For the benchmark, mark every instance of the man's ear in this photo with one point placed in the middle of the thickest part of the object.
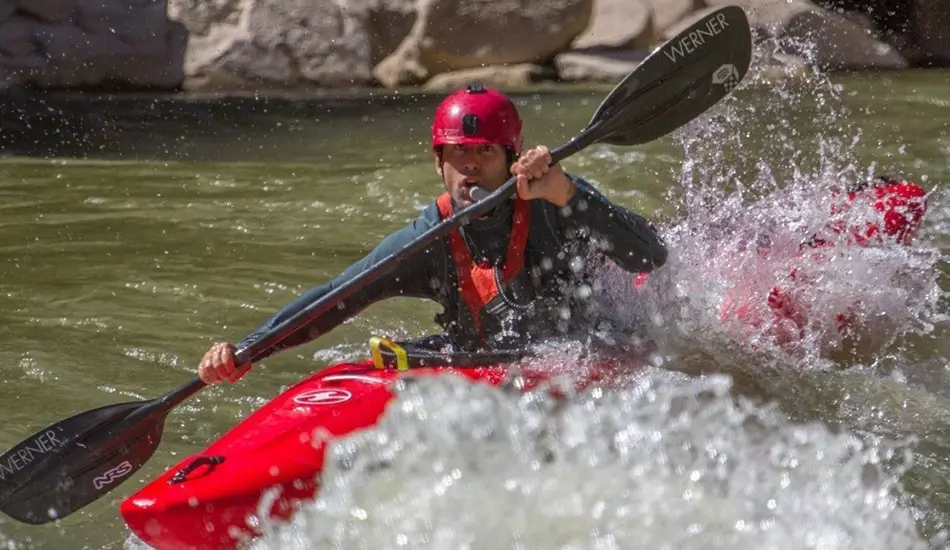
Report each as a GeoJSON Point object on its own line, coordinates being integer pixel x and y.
{"type": "Point", "coordinates": [438, 163]}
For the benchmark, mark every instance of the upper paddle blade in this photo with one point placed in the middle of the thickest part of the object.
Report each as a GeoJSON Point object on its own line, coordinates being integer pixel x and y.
{"type": "Point", "coordinates": [66, 466]}
{"type": "Point", "coordinates": [678, 82]}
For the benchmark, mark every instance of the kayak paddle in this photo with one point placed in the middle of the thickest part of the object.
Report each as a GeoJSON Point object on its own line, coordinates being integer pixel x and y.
{"type": "Point", "coordinates": [70, 464]}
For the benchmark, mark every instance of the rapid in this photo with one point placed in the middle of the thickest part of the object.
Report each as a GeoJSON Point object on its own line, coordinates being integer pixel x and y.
{"type": "Point", "coordinates": [831, 441]}
{"type": "Point", "coordinates": [130, 249]}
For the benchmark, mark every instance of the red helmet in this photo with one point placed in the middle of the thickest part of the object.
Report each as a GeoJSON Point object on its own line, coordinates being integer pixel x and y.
{"type": "Point", "coordinates": [477, 116]}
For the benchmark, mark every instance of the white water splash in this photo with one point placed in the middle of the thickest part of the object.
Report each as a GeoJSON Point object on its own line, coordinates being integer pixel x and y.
{"type": "Point", "coordinates": [751, 192]}
{"type": "Point", "coordinates": [664, 464]}
{"type": "Point", "coordinates": [731, 266]}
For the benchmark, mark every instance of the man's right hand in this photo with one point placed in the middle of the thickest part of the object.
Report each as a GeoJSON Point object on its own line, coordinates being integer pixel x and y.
{"type": "Point", "coordinates": [218, 365]}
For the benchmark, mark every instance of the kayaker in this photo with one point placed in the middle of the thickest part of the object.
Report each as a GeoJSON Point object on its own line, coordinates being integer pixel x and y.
{"type": "Point", "coordinates": [526, 271]}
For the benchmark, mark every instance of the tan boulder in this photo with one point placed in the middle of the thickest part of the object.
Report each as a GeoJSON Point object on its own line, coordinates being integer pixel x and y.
{"type": "Point", "coordinates": [618, 24]}
{"type": "Point", "coordinates": [598, 66]}
{"type": "Point", "coordinates": [263, 43]}
{"type": "Point", "coordinates": [198, 16]}
{"type": "Point", "coordinates": [837, 43]}
{"type": "Point", "coordinates": [390, 22]}
{"type": "Point", "coordinates": [823, 39]}
{"type": "Point", "coordinates": [669, 12]}
{"type": "Point", "coordinates": [450, 35]}
{"type": "Point", "coordinates": [511, 76]}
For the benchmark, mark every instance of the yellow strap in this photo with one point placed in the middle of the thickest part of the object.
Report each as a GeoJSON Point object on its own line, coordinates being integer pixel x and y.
{"type": "Point", "coordinates": [402, 361]}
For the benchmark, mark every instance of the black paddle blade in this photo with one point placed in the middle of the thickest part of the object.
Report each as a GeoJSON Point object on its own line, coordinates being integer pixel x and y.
{"type": "Point", "coordinates": [67, 465]}
{"type": "Point", "coordinates": [678, 82]}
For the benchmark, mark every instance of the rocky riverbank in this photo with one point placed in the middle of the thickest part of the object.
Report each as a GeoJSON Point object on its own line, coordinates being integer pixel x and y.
{"type": "Point", "coordinates": [236, 45]}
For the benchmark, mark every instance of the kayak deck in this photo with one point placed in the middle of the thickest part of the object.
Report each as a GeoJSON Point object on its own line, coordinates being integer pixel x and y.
{"type": "Point", "coordinates": [211, 500]}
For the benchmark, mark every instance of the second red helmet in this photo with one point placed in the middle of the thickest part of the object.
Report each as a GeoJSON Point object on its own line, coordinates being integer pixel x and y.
{"type": "Point", "coordinates": [477, 116]}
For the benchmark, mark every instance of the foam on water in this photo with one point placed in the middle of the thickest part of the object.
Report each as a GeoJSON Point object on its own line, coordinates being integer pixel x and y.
{"type": "Point", "coordinates": [667, 463]}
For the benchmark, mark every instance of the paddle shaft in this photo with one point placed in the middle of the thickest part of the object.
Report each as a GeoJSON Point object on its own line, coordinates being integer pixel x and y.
{"type": "Point", "coordinates": [273, 337]}
{"type": "Point", "coordinates": [288, 327]}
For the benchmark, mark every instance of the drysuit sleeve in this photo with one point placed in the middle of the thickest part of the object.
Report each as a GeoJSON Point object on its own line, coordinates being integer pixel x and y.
{"type": "Point", "coordinates": [412, 277]}
{"type": "Point", "coordinates": [627, 238]}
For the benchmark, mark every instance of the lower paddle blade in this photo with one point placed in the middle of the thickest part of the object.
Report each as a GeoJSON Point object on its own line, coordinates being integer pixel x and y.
{"type": "Point", "coordinates": [66, 466]}
{"type": "Point", "coordinates": [679, 81]}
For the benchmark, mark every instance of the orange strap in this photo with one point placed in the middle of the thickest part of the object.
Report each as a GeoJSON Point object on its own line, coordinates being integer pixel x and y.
{"type": "Point", "coordinates": [477, 283]}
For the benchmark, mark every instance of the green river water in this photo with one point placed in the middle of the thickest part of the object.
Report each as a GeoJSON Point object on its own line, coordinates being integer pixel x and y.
{"type": "Point", "coordinates": [136, 231]}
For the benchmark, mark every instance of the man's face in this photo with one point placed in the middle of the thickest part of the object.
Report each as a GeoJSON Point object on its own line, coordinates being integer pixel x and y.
{"type": "Point", "coordinates": [467, 166]}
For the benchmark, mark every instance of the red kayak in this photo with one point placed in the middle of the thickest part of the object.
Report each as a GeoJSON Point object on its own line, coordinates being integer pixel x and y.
{"type": "Point", "coordinates": [208, 500]}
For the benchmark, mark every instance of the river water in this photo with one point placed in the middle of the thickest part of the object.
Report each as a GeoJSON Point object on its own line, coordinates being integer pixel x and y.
{"type": "Point", "coordinates": [137, 231]}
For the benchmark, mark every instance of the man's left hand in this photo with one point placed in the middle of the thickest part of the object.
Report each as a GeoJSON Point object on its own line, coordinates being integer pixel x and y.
{"type": "Point", "coordinates": [538, 179]}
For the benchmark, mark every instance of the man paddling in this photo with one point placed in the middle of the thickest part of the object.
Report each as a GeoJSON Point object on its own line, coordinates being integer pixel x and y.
{"type": "Point", "coordinates": [98, 449]}
{"type": "Point", "coordinates": [523, 273]}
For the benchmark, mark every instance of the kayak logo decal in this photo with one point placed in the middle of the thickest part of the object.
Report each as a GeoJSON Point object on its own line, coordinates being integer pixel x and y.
{"type": "Point", "coordinates": [329, 396]}
{"type": "Point", "coordinates": [728, 76]}
{"type": "Point", "coordinates": [113, 475]}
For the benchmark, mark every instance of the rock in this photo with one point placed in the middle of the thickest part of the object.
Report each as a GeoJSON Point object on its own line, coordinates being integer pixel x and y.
{"type": "Point", "coordinates": [450, 35]}
{"type": "Point", "coordinates": [618, 24]}
{"type": "Point", "coordinates": [330, 48]}
{"type": "Point", "coordinates": [403, 66]}
{"type": "Point", "coordinates": [76, 58]}
{"type": "Point", "coordinates": [668, 12]}
{"type": "Point", "coordinates": [120, 17]}
{"type": "Point", "coordinates": [23, 66]}
{"type": "Point", "coordinates": [766, 17]}
{"type": "Point", "coordinates": [781, 67]}
{"type": "Point", "coordinates": [254, 43]}
{"type": "Point", "coordinates": [16, 36]}
{"type": "Point", "coordinates": [6, 10]}
{"type": "Point", "coordinates": [932, 26]}
{"type": "Point", "coordinates": [836, 43]}
{"type": "Point", "coordinates": [390, 22]}
{"type": "Point", "coordinates": [50, 11]}
{"type": "Point", "coordinates": [199, 16]}
{"type": "Point", "coordinates": [824, 39]}
{"type": "Point", "coordinates": [511, 76]}
{"type": "Point", "coordinates": [598, 66]}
